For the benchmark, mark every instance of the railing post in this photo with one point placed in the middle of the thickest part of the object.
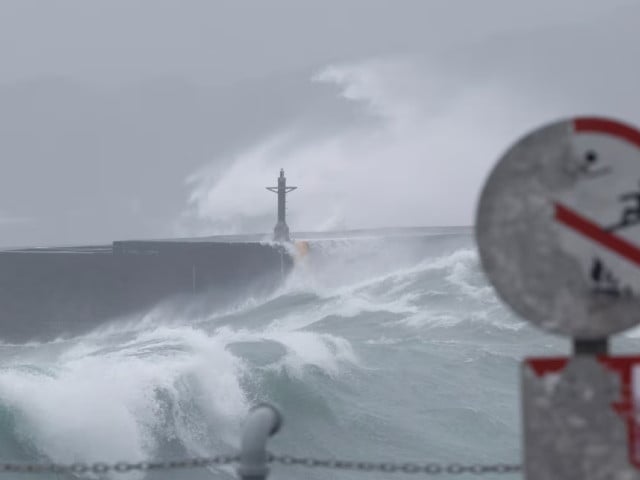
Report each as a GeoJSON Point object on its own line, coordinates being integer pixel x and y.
{"type": "Point", "coordinates": [264, 421]}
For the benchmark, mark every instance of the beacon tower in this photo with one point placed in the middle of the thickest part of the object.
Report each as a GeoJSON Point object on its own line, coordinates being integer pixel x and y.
{"type": "Point", "coordinates": [281, 230]}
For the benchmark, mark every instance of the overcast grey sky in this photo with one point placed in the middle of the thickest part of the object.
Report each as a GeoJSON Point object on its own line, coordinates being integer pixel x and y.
{"type": "Point", "coordinates": [155, 118]}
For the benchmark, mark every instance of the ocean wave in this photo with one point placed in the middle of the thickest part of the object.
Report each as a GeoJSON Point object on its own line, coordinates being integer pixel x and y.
{"type": "Point", "coordinates": [494, 318]}
{"type": "Point", "coordinates": [314, 292]}
{"type": "Point", "coordinates": [104, 403]}
{"type": "Point", "coordinates": [343, 346]}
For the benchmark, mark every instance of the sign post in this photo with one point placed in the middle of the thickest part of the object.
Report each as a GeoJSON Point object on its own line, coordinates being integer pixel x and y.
{"type": "Point", "coordinates": [558, 231]}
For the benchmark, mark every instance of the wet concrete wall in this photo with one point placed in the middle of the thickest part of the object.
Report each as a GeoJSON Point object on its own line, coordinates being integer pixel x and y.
{"type": "Point", "coordinates": [53, 292]}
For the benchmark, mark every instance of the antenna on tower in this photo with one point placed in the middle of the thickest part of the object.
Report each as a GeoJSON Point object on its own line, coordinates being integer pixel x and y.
{"type": "Point", "coordinates": [281, 230]}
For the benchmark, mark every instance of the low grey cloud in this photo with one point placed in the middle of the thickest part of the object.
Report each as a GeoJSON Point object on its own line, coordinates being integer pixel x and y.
{"type": "Point", "coordinates": [151, 119]}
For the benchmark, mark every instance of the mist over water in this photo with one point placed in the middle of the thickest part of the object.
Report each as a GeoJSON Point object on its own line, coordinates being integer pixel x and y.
{"type": "Point", "coordinates": [374, 349]}
{"type": "Point", "coordinates": [417, 152]}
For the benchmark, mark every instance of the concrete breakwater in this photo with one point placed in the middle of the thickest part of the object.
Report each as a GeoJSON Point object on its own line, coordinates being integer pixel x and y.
{"type": "Point", "coordinates": [52, 292]}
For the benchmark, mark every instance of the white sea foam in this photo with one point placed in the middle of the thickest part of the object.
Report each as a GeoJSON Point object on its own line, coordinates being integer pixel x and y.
{"type": "Point", "coordinates": [101, 403]}
{"type": "Point", "coordinates": [124, 393]}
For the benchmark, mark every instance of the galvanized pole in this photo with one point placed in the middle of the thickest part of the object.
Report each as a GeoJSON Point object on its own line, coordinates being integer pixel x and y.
{"type": "Point", "coordinates": [264, 421]}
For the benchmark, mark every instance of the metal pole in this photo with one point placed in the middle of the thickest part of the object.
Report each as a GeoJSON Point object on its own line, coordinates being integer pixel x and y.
{"type": "Point", "coordinates": [264, 421]}
{"type": "Point", "coordinates": [591, 346]}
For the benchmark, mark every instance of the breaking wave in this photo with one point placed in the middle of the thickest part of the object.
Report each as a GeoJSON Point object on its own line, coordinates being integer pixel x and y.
{"type": "Point", "coordinates": [373, 348]}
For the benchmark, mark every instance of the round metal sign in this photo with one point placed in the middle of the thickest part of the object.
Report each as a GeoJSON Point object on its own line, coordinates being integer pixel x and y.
{"type": "Point", "coordinates": [558, 227]}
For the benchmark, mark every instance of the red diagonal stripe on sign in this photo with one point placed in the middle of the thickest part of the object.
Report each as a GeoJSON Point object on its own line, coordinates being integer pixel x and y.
{"type": "Point", "coordinates": [594, 232]}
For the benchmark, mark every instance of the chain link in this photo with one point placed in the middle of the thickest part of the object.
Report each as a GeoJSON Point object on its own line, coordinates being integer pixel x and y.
{"type": "Point", "coordinates": [288, 460]}
{"type": "Point", "coordinates": [119, 467]}
{"type": "Point", "coordinates": [391, 467]}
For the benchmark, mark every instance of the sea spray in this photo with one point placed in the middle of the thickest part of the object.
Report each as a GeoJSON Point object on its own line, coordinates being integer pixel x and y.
{"type": "Point", "coordinates": [373, 350]}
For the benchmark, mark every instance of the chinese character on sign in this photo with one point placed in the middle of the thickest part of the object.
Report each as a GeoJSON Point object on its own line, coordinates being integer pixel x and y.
{"type": "Point", "coordinates": [630, 213]}
{"type": "Point", "coordinates": [605, 283]}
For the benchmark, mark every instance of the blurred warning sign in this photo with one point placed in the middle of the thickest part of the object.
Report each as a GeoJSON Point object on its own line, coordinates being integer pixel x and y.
{"type": "Point", "coordinates": [581, 417]}
{"type": "Point", "coordinates": [601, 212]}
{"type": "Point", "coordinates": [558, 227]}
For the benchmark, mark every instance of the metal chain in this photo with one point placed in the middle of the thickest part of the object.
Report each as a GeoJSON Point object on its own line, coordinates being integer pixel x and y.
{"type": "Point", "coordinates": [119, 467]}
{"type": "Point", "coordinates": [386, 467]}
{"type": "Point", "coordinates": [390, 467]}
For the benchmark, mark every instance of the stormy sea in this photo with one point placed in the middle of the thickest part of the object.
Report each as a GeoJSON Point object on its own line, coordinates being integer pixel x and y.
{"type": "Point", "coordinates": [374, 349]}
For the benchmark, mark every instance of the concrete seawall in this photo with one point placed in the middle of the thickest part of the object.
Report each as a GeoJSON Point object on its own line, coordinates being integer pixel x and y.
{"type": "Point", "coordinates": [47, 293]}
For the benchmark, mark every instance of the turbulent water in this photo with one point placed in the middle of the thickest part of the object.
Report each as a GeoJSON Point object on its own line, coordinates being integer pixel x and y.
{"type": "Point", "coordinates": [373, 349]}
